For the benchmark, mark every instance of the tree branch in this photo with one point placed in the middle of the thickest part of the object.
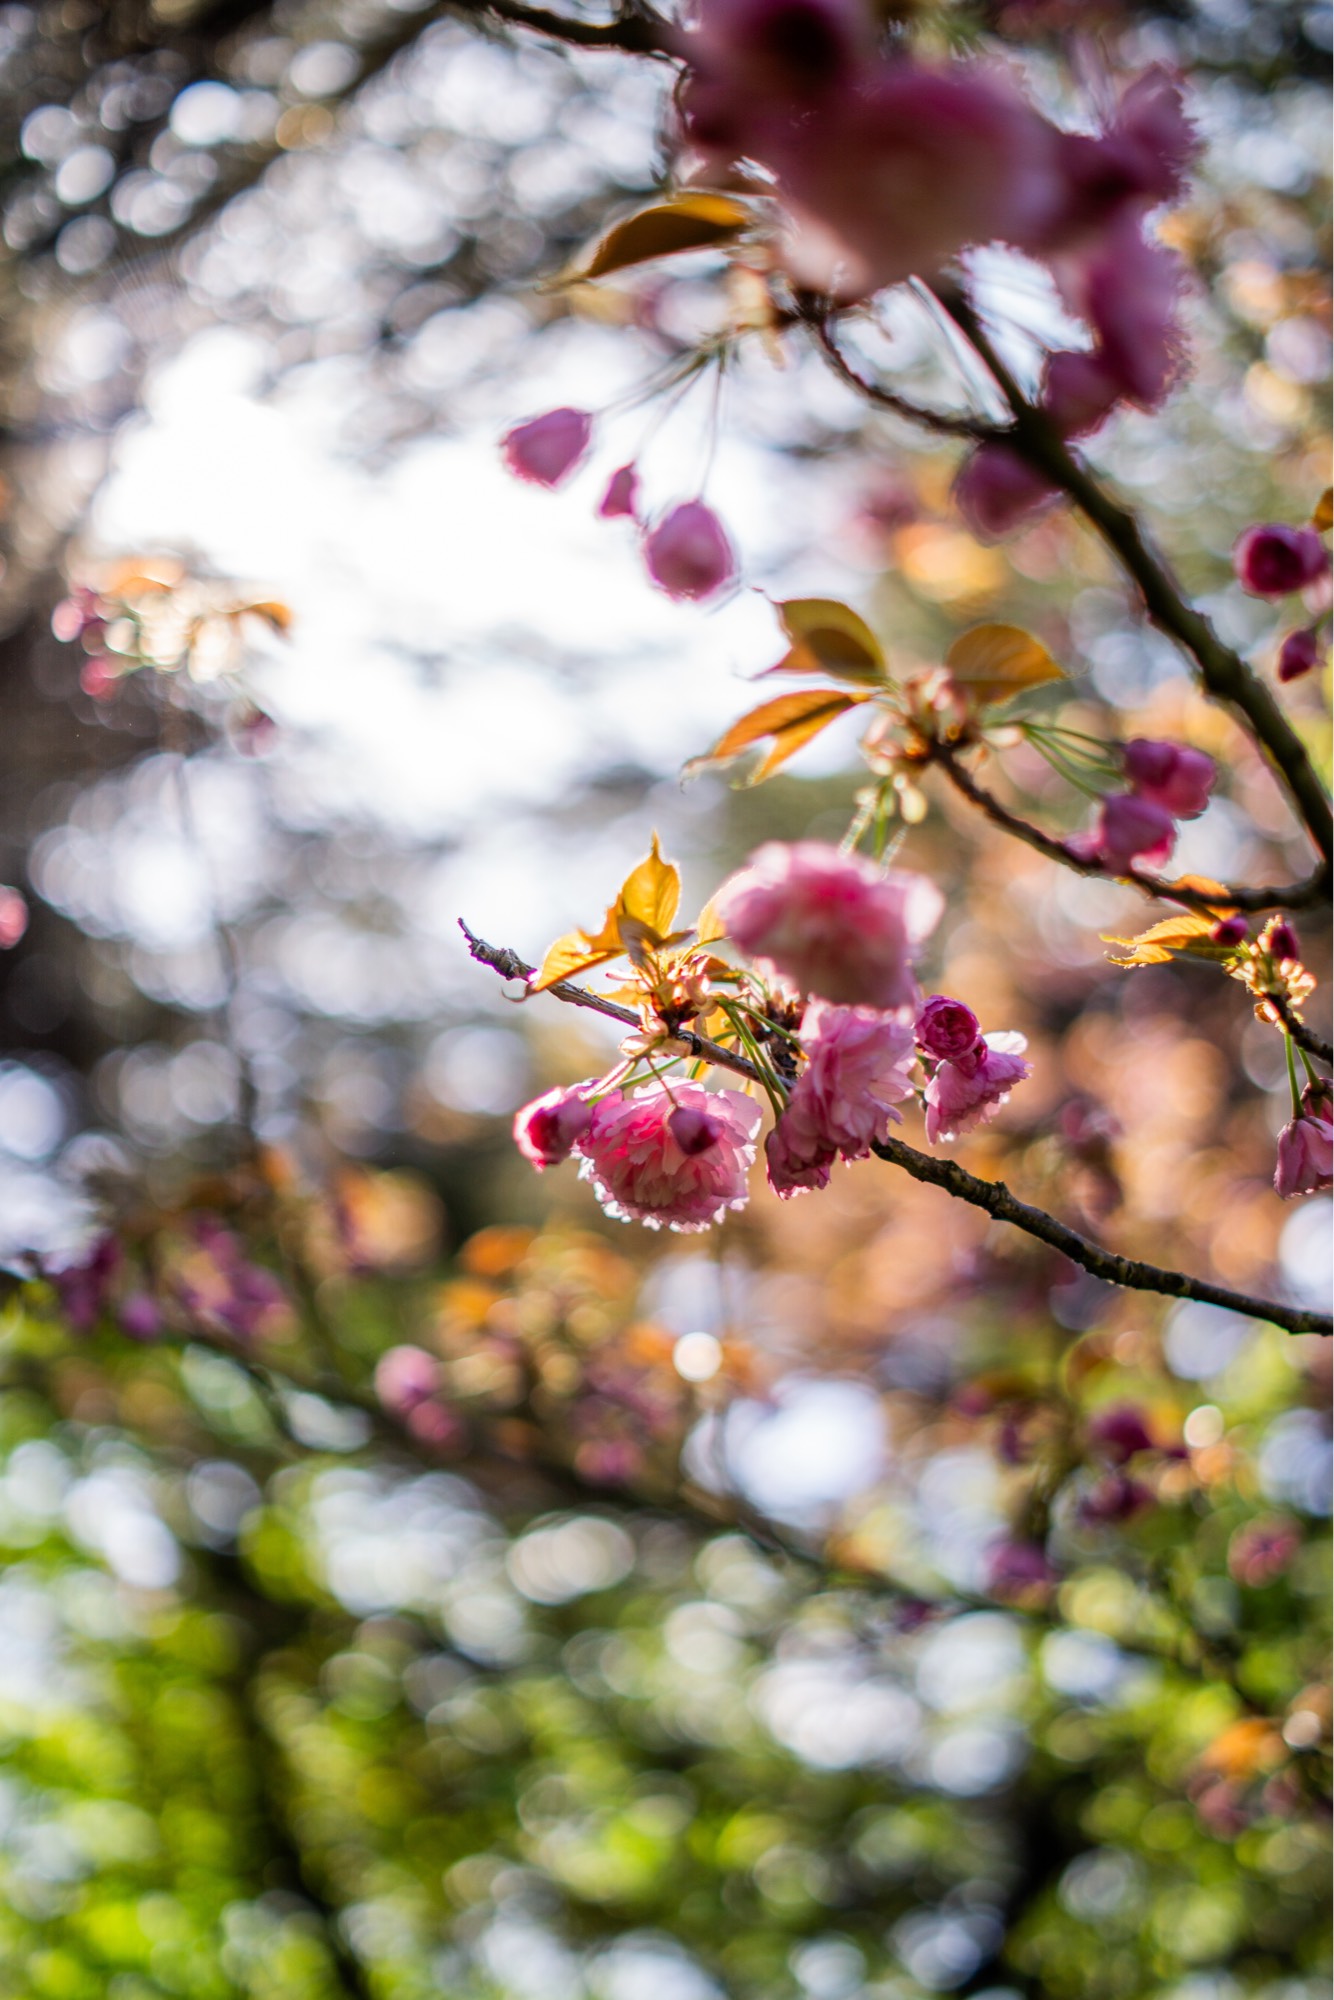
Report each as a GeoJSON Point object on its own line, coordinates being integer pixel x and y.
{"type": "Point", "coordinates": [636, 29]}
{"type": "Point", "coordinates": [1305, 1037]}
{"type": "Point", "coordinates": [1286, 896]}
{"type": "Point", "coordinates": [1223, 673]}
{"type": "Point", "coordinates": [944, 422]}
{"type": "Point", "coordinates": [992, 1196]}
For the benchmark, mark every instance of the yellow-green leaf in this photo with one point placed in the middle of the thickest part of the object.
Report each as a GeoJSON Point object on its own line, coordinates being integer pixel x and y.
{"type": "Point", "coordinates": [791, 719]}
{"type": "Point", "coordinates": [829, 638]}
{"type": "Point", "coordinates": [681, 222]}
{"type": "Point", "coordinates": [1157, 945]}
{"type": "Point", "coordinates": [570, 955]}
{"type": "Point", "coordinates": [993, 662]}
{"type": "Point", "coordinates": [650, 894]}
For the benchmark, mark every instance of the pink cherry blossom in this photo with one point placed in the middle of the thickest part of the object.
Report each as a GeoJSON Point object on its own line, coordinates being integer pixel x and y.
{"type": "Point", "coordinates": [1271, 560]}
{"type": "Point", "coordinates": [857, 1070]}
{"type": "Point", "coordinates": [1079, 391]}
{"type": "Point", "coordinates": [84, 1289]}
{"type": "Point", "coordinates": [1137, 161]}
{"type": "Point", "coordinates": [1128, 289]}
{"type": "Point", "coordinates": [622, 495]}
{"type": "Point", "coordinates": [406, 1377]}
{"type": "Point", "coordinates": [1299, 653]}
{"type": "Point", "coordinates": [1170, 775]}
{"type": "Point", "coordinates": [547, 449]}
{"type": "Point", "coordinates": [766, 59]}
{"type": "Point", "coordinates": [790, 1168]}
{"type": "Point", "coordinates": [964, 1094]}
{"type": "Point", "coordinates": [1305, 1157]}
{"type": "Point", "coordinates": [996, 490]}
{"type": "Point", "coordinates": [833, 923]}
{"type": "Point", "coordinates": [946, 1028]}
{"type": "Point", "coordinates": [547, 1130]}
{"type": "Point", "coordinates": [640, 1173]}
{"type": "Point", "coordinates": [1281, 941]}
{"type": "Point", "coordinates": [13, 917]}
{"type": "Point", "coordinates": [688, 553]}
{"type": "Point", "coordinates": [694, 1131]}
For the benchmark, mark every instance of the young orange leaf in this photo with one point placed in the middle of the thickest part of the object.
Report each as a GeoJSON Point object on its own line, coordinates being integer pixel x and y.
{"type": "Point", "coordinates": [1322, 517]}
{"type": "Point", "coordinates": [993, 662]}
{"type": "Point", "coordinates": [568, 957]}
{"type": "Point", "coordinates": [1156, 946]}
{"type": "Point", "coordinates": [650, 894]}
{"type": "Point", "coordinates": [272, 611]}
{"type": "Point", "coordinates": [682, 222]}
{"type": "Point", "coordinates": [829, 638]}
{"type": "Point", "coordinates": [791, 719]}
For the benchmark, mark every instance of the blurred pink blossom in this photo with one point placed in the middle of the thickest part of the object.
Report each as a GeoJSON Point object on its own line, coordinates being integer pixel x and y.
{"type": "Point", "coordinates": [969, 1092]}
{"type": "Point", "coordinates": [546, 450]}
{"type": "Point", "coordinates": [13, 917]}
{"type": "Point", "coordinates": [688, 553]}
{"type": "Point", "coordinates": [621, 497]}
{"type": "Point", "coordinates": [547, 1130]}
{"type": "Point", "coordinates": [1272, 560]}
{"type": "Point", "coordinates": [1170, 775]}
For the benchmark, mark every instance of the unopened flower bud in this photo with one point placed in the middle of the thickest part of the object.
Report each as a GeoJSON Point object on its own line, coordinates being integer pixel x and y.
{"type": "Point", "coordinates": [1171, 775]}
{"type": "Point", "coordinates": [1230, 931]}
{"type": "Point", "coordinates": [688, 553]}
{"type": "Point", "coordinates": [946, 1028]}
{"type": "Point", "coordinates": [13, 917]}
{"type": "Point", "coordinates": [1271, 560]}
{"type": "Point", "coordinates": [1132, 829]}
{"type": "Point", "coordinates": [546, 450]}
{"type": "Point", "coordinates": [1298, 654]}
{"type": "Point", "coordinates": [693, 1131]}
{"type": "Point", "coordinates": [622, 495]}
{"type": "Point", "coordinates": [1283, 942]}
{"type": "Point", "coordinates": [98, 677]}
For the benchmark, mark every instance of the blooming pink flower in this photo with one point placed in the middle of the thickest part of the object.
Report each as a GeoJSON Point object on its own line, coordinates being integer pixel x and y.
{"type": "Point", "coordinates": [833, 923]}
{"type": "Point", "coordinates": [622, 495]}
{"type": "Point", "coordinates": [1271, 560]}
{"type": "Point", "coordinates": [969, 1092]}
{"type": "Point", "coordinates": [1305, 1157]}
{"type": "Point", "coordinates": [688, 553]}
{"type": "Point", "coordinates": [547, 449]}
{"type": "Point", "coordinates": [1128, 829]}
{"type": "Point", "coordinates": [13, 917]}
{"type": "Point", "coordinates": [1260, 1551]}
{"type": "Point", "coordinates": [996, 490]}
{"type": "Point", "coordinates": [547, 1130]}
{"type": "Point", "coordinates": [406, 1377]}
{"type": "Point", "coordinates": [1128, 289]}
{"type": "Point", "coordinates": [640, 1173]}
{"type": "Point", "coordinates": [1136, 162]}
{"type": "Point", "coordinates": [1299, 653]}
{"type": "Point", "coordinates": [843, 1102]}
{"type": "Point", "coordinates": [1170, 775]}
{"type": "Point", "coordinates": [946, 1028]}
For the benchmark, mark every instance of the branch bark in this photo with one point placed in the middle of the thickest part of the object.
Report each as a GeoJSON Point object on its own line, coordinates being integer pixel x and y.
{"type": "Point", "coordinates": [1131, 1273]}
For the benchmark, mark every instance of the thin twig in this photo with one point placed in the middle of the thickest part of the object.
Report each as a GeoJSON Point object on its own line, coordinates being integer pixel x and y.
{"type": "Point", "coordinates": [992, 1196]}
{"type": "Point", "coordinates": [1305, 1037]}
{"type": "Point", "coordinates": [944, 422]}
{"type": "Point", "coordinates": [1285, 896]}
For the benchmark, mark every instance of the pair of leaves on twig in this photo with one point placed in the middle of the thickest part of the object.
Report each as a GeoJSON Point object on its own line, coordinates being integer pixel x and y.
{"type": "Point", "coordinates": [638, 922]}
{"type": "Point", "coordinates": [988, 665]}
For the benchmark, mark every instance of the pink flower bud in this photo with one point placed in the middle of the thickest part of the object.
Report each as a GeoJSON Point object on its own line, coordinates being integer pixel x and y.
{"type": "Point", "coordinates": [946, 1028]}
{"type": "Point", "coordinates": [1170, 775]}
{"type": "Point", "coordinates": [546, 450]}
{"type": "Point", "coordinates": [622, 495]}
{"type": "Point", "coordinates": [548, 1130]}
{"type": "Point", "coordinates": [1305, 1162]}
{"type": "Point", "coordinates": [98, 677]}
{"type": "Point", "coordinates": [996, 490]}
{"type": "Point", "coordinates": [1080, 391]}
{"type": "Point", "coordinates": [688, 554]}
{"type": "Point", "coordinates": [694, 1131]}
{"type": "Point", "coordinates": [1230, 931]}
{"type": "Point", "coordinates": [13, 917]}
{"type": "Point", "coordinates": [1271, 560]}
{"type": "Point", "coordinates": [1283, 943]}
{"type": "Point", "coordinates": [1133, 829]}
{"type": "Point", "coordinates": [1298, 654]}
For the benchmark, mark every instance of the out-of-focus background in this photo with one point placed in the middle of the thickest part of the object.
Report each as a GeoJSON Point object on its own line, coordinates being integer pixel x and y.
{"type": "Point", "coordinates": [506, 1704]}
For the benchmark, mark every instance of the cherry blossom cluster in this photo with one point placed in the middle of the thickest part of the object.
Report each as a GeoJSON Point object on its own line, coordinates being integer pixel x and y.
{"type": "Point", "coordinates": [1273, 560]}
{"type": "Point", "coordinates": [1166, 782]}
{"type": "Point", "coordinates": [833, 995]}
{"type": "Point", "coordinates": [686, 551]}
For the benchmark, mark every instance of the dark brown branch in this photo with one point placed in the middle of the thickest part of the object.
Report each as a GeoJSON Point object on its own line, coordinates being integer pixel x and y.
{"type": "Point", "coordinates": [1305, 1037]}
{"type": "Point", "coordinates": [992, 1196]}
{"type": "Point", "coordinates": [944, 422]}
{"type": "Point", "coordinates": [1223, 674]}
{"type": "Point", "coordinates": [1286, 896]}
{"type": "Point", "coordinates": [510, 966]}
{"type": "Point", "coordinates": [1129, 1272]}
{"type": "Point", "coordinates": [636, 30]}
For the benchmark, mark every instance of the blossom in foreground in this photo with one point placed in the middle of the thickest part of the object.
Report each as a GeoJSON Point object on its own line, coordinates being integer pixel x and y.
{"type": "Point", "coordinates": [640, 1172]}
{"type": "Point", "coordinates": [834, 924]}
{"type": "Point", "coordinates": [688, 553]}
{"type": "Point", "coordinates": [547, 1130]}
{"type": "Point", "coordinates": [969, 1092]}
{"type": "Point", "coordinates": [1272, 560]}
{"type": "Point", "coordinates": [857, 1070]}
{"type": "Point", "coordinates": [1305, 1156]}
{"type": "Point", "coordinates": [1129, 829]}
{"type": "Point", "coordinates": [997, 489]}
{"type": "Point", "coordinates": [621, 498]}
{"type": "Point", "coordinates": [546, 450]}
{"type": "Point", "coordinates": [1170, 775]}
